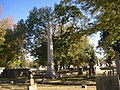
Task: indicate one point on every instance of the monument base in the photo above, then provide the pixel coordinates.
(33, 87)
(50, 74)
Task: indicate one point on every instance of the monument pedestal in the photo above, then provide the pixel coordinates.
(50, 73)
(33, 87)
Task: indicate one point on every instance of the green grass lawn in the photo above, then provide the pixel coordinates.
(45, 87)
(71, 82)
(64, 87)
(67, 82)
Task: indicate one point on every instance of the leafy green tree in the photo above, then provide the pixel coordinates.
(77, 52)
(13, 49)
(67, 31)
(106, 15)
(21, 40)
(5, 24)
(7, 49)
(67, 34)
(2, 33)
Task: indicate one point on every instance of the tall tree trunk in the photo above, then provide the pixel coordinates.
(55, 66)
(117, 61)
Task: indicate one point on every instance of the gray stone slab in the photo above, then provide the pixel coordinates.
(110, 82)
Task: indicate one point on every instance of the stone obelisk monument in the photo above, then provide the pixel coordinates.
(50, 73)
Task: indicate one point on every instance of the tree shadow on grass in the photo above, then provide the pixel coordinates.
(72, 80)
(77, 78)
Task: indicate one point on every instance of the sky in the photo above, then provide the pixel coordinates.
(19, 9)
(94, 39)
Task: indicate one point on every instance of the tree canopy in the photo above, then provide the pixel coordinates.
(107, 16)
(72, 21)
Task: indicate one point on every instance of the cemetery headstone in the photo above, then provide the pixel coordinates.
(33, 85)
(1, 70)
(80, 71)
(110, 82)
(14, 73)
(71, 70)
